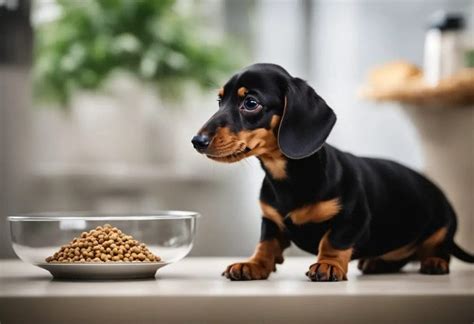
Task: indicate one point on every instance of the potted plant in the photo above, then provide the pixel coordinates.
(139, 54)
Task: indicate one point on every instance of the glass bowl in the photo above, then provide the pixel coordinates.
(167, 234)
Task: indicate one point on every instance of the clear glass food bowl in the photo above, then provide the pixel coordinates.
(167, 234)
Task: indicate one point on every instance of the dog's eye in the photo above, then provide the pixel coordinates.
(250, 104)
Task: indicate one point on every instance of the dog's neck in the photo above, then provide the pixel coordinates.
(279, 168)
(302, 180)
(274, 163)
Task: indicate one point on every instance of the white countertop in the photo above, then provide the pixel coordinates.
(192, 290)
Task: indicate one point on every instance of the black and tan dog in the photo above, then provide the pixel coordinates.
(330, 203)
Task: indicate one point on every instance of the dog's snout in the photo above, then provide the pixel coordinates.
(200, 142)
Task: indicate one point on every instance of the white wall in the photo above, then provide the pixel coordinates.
(348, 38)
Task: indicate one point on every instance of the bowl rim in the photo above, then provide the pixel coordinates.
(96, 216)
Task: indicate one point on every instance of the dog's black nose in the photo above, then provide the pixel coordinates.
(200, 142)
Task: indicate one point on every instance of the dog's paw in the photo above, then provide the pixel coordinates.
(367, 266)
(249, 270)
(434, 266)
(322, 271)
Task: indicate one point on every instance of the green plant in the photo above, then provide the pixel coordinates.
(147, 38)
(470, 58)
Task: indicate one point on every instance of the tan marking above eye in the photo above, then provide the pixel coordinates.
(242, 91)
(272, 214)
(221, 92)
(317, 212)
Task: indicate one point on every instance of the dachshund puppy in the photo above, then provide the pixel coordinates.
(330, 203)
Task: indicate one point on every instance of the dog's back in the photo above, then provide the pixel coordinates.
(405, 207)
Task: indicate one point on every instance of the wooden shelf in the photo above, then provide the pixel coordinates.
(403, 83)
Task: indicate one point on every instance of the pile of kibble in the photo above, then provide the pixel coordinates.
(103, 244)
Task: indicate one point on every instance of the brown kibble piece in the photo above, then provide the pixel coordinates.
(103, 244)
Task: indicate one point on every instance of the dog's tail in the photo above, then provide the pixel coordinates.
(459, 253)
(454, 249)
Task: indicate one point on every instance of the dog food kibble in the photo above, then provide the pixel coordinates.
(103, 244)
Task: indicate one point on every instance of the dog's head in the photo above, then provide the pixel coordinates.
(263, 109)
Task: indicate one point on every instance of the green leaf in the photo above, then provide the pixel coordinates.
(146, 38)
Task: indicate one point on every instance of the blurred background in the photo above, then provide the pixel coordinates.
(99, 99)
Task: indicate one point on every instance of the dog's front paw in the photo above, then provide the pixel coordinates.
(249, 270)
(323, 271)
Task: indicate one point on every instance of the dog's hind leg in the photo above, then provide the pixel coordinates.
(389, 262)
(378, 265)
(433, 253)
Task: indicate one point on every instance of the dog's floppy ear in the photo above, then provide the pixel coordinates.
(306, 123)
